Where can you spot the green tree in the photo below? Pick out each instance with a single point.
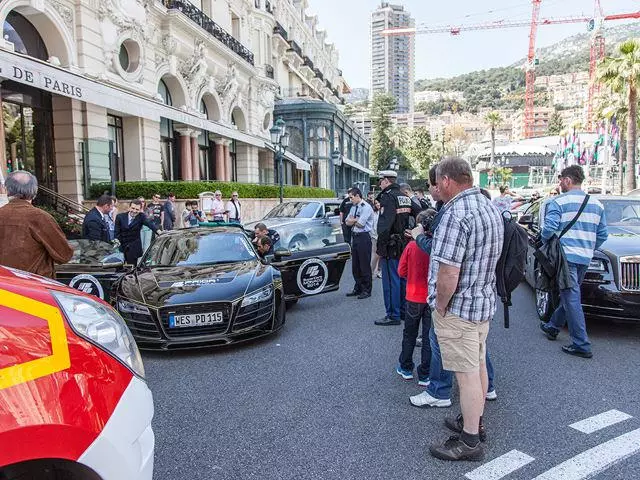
(622, 75)
(494, 120)
(381, 145)
(419, 151)
(556, 124)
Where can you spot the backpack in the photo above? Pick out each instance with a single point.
(511, 265)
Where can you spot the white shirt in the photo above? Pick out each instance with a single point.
(363, 214)
(217, 208)
(231, 210)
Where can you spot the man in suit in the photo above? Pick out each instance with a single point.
(127, 230)
(95, 226)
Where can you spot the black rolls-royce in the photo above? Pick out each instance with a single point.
(611, 288)
(206, 286)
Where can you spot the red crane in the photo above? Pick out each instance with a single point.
(596, 54)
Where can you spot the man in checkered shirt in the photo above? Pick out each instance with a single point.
(462, 294)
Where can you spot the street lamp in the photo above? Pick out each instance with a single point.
(280, 141)
(336, 161)
(394, 164)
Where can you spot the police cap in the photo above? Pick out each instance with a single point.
(387, 173)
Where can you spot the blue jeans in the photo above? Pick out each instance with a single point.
(441, 380)
(570, 310)
(391, 287)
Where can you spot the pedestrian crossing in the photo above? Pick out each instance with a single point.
(579, 467)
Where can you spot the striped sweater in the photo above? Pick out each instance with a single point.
(586, 235)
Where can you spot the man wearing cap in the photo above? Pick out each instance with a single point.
(217, 207)
(395, 210)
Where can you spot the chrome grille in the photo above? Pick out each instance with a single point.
(630, 273)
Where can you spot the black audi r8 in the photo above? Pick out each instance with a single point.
(208, 286)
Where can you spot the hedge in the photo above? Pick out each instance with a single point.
(186, 190)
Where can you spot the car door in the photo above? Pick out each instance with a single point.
(313, 271)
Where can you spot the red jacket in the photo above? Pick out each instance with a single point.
(414, 266)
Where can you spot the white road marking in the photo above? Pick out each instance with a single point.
(595, 460)
(598, 422)
(501, 466)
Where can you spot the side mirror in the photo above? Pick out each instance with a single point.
(281, 252)
(526, 220)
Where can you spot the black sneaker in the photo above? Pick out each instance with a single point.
(364, 295)
(550, 332)
(387, 321)
(457, 424)
(572, 350)
(455, 449)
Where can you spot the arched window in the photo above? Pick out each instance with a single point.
(163, 90)
(170, 163)
(24, 36)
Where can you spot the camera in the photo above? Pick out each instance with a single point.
(426, 220)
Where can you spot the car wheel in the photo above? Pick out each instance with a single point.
(544, 302)
(299, 242)
(291, 303)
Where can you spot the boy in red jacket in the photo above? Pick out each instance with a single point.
(414, 267)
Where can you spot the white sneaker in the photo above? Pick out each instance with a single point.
(492, 395)
(425, 400)
(424, 383)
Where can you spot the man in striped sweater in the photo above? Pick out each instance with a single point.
(579, 243)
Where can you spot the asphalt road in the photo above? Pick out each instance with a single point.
(321, 400)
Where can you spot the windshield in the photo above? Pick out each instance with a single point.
(199, 248)
(94, 252)
(622, 212)
(294, 210)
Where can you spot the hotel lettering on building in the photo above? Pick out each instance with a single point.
(163, 89)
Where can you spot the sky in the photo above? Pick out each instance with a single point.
(441, 55)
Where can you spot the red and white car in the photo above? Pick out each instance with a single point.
(74, 404)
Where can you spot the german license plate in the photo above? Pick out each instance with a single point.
(195, 319)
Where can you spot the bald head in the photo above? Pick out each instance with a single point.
(21, 185)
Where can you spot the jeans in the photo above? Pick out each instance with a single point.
(441, 380)
(361, 262)
(417, 314)
(391, 286)
(570, 310)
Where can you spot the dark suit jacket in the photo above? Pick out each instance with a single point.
(94, 227)
(129, 235)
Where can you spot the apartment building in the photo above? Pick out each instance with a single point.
(393, 57)
(541, 117)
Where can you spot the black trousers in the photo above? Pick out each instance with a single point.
(361, 261)
(417, 314)
(346, 233)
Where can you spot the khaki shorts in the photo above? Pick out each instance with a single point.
(462, 343)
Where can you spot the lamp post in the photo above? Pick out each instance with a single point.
(280, 141)
(394, 164)
(336, 161)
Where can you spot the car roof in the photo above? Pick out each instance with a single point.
(615, 197)
(207, 227)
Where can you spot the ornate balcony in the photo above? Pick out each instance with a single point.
(308, 62)
(198, 17)
(279, 30)
(293, 46)
(268, 71)
(318, 73)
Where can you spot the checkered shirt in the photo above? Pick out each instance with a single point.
(469, 236)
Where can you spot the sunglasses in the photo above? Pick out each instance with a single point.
(234, 195)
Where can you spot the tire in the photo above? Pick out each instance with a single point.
(291, 303)
(299, 242)
(544, 302)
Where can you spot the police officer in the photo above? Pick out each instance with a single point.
(395, 211)
(360, 219)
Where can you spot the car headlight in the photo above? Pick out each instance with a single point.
(103, 326)
(130, 307)
(597, 265)
(261, 295)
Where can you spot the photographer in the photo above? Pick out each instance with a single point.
(395, 210)
(360, 220)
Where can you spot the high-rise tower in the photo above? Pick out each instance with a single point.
(393, 57)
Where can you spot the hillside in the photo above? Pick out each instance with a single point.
(503, 87)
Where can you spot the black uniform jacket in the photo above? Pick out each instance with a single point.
(94, 227)
(129, 235)
(395, 211)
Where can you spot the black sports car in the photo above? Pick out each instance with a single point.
(208, 286)
(611, 288)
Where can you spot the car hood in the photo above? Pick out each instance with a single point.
(164, 286)
(276, 222)
(623, 240)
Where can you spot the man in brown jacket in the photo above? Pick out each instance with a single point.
(30, 239)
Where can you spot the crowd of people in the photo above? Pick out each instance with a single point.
(437, 263)
(438, 266)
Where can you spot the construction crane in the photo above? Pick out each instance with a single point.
(594, 24)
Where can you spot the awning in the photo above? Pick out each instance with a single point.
(299, 163)
(357, 166)
(39, 74)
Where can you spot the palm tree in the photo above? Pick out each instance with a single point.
(622, 75)
(494, 120)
